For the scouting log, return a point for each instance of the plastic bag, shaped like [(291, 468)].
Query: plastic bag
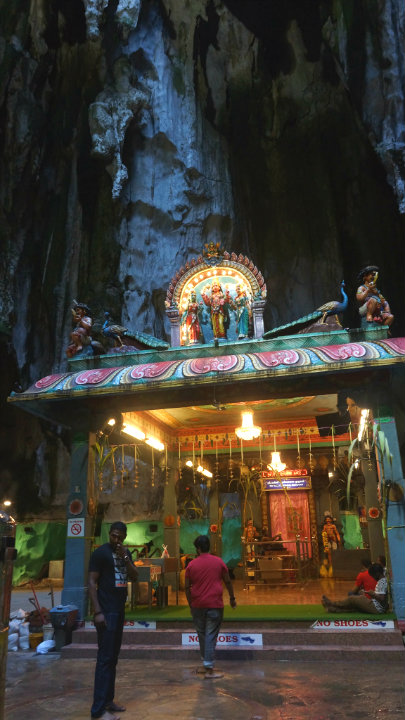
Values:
[(14, 626), (13, 641), (24, 636), (45, 646)]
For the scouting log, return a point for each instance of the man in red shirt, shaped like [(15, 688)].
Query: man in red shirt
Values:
[(203, 585), (364, 582)]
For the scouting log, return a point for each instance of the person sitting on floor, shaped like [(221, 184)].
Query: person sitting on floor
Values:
[(364, 582), (375, 605), (382, 561)]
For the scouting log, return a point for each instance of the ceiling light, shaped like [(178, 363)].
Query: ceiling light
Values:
[(7, 503), (200, 468), (111, 422), (207, 473), (154, 443), (189, 463), (248, 431), (276, 463), (133, 431)]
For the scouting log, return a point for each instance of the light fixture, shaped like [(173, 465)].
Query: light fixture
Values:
[(133, 431), (363, 424), (154, 443), (111, 422), (189, 463), (248, 431), (276, 463), (7, 503)]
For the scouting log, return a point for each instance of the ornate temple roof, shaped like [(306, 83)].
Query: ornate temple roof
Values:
[(181, 376)]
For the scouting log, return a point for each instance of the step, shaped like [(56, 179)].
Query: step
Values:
[(292, 640)]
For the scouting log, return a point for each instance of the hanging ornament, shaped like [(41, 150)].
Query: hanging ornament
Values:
[(180, 468), (350, 433), (193, 464), (122, 465), (310, 456), (216, 462), (166, 469), (333, 447), (230, 460), (298, 450), (153, 469), (136, 467), (115, 474), (260, 453)]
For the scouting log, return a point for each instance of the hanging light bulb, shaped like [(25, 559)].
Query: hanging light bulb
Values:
[(276, 463), (248, 431)]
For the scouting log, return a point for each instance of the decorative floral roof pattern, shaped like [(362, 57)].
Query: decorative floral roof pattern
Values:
[(248, 365)]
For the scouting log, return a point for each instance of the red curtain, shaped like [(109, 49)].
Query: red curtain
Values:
[(290, 517)]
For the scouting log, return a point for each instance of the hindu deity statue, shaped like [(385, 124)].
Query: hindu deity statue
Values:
[(241, 304), (219, 303), (372, 304), (81, 342), (191, 320)]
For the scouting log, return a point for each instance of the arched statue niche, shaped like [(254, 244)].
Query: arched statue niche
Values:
[(217, 297)]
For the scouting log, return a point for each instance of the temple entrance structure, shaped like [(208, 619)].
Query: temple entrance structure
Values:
[(168, 425)]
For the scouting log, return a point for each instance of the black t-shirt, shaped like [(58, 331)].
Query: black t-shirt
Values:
[(112, 585)]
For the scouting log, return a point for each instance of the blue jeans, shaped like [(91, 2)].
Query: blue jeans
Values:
[(109, 643), (207, 622)]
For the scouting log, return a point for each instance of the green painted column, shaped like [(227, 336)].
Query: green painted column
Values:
[(79, 528), (171, 534), (215, 538)]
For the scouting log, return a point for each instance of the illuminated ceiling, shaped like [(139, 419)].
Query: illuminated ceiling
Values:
[(223, 415)]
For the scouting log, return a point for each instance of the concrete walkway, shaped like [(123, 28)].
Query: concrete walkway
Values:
[(48, 688)]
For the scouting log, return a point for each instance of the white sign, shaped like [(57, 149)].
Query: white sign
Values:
[(353, 625), (75, 527), (227, 640), (128, 625)]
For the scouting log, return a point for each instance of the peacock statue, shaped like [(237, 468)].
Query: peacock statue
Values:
[(124, 338), (113, 331), (315, 321)]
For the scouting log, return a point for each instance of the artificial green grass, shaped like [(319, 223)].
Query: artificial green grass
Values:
[(253, 613)]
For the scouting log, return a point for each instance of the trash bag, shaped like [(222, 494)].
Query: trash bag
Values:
[(45, 647), (13, 641)]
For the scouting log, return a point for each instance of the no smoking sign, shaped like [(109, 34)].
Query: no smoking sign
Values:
[(75, 527)]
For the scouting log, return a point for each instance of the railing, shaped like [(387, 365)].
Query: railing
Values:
[(280, 562)]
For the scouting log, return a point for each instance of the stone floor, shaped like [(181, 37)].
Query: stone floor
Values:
[(309, 592), (48, 688)]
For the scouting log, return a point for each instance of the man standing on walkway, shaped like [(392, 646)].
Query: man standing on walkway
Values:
[(109, 569), (203, 585)]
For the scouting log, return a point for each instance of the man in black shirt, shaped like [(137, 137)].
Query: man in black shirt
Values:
[(109, 569)]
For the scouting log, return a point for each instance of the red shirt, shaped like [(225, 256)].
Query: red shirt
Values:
[(365, 581), (205, 574)]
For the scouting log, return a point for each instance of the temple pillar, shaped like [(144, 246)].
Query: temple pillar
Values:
[(258, 324), (215, 538), (78, 540), (171, 533), (173, 314), (393, 498)]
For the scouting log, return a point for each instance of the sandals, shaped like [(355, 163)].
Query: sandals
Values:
[(113, 707)]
